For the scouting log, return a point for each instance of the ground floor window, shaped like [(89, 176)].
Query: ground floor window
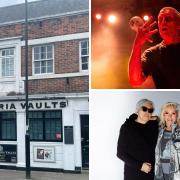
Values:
[(45, 125), (8, 126)]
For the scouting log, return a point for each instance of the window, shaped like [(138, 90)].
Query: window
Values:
[(45, 125), (43, 59), (7, 58), (8, 126), (84, 54)]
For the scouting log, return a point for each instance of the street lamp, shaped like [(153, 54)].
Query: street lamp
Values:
[(27, 136)]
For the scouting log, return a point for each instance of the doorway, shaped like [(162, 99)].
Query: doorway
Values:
[(85, 140)]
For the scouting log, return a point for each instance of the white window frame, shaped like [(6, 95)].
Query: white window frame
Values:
[(33, 61), (12, 83), (80, 56), (14, 66)]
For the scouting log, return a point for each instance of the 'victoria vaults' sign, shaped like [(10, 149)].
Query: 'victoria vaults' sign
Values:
[(8, 153), (34, 105)]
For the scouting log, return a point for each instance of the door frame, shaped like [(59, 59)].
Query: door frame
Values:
[(81, 136), (77, 136)]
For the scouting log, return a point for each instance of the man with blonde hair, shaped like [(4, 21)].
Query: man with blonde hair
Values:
[(162, 61)]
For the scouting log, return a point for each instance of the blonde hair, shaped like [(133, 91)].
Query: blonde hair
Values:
[(164, 107)]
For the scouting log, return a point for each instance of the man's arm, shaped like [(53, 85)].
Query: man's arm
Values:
[(136, 76)]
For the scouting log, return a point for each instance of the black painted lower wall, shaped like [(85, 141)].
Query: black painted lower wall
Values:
[(76, 171)]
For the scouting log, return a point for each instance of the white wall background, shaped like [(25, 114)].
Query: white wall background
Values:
[(109, 109)]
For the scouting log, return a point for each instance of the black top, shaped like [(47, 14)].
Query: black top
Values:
[(136, 144), (163, 63)]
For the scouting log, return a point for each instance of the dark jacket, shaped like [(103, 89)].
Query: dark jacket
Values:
[(136, 145), (160, 62)]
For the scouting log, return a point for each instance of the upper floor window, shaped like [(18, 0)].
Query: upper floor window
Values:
[(84, 54), (7, 58), (43, 59)]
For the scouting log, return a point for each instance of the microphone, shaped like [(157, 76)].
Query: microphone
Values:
[(135, 22)]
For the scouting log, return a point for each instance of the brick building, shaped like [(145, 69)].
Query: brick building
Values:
[(58, 53)]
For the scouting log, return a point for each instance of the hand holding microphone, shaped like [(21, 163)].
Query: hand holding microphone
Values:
[(135, 23), (144, 29)]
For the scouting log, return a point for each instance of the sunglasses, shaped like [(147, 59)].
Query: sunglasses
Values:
[(145, 109)]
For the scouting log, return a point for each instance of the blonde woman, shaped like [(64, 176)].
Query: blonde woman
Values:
[(168, 144)]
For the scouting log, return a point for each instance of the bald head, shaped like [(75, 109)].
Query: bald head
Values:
[(172, 11), (169, 25)]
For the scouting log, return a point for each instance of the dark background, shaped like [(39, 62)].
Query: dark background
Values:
[(111, 43)]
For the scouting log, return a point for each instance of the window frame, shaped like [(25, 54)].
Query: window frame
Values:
[(9, 56), (44, 133), (80, 55), (40, 60), (15, 139)]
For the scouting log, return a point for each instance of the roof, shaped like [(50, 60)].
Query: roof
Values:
[(42, 9)]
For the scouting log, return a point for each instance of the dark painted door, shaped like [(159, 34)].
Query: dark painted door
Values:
[(85, 140)]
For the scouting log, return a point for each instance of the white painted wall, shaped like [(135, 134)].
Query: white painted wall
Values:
[(68, 149), (109, 109), (67, 156), (15, 83), (72, 153), (21, 130), (80, 107), (58, 155)]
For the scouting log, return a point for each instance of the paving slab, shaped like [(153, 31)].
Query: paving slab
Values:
[(41, 175)]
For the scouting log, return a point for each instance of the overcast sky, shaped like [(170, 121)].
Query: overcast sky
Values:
[(11, 2)]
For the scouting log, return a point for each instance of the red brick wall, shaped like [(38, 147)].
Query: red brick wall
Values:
[(29, 61), (49, 27), (59, 26), (66, 53), (59, 85), (11, 30), (66, 57)]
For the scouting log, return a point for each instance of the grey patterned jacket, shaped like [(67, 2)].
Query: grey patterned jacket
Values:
[(174, 149)]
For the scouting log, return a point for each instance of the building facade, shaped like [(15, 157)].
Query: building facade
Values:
[(58, 72)]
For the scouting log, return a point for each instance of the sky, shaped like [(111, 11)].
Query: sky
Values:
[(11, 2)]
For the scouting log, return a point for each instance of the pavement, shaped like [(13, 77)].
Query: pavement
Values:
[(41, 175)]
